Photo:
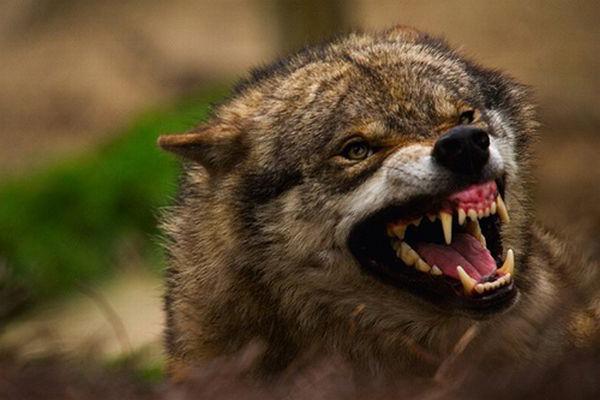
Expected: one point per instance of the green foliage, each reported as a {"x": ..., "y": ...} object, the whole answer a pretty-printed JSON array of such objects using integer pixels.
[{"x": 75, "y": 221}]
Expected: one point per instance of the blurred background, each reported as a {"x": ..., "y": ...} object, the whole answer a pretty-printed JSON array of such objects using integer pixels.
[{"x": 87, "y": 86}]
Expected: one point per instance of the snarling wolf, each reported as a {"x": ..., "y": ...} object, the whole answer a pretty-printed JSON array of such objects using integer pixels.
[{"x": 367, "y": 198}]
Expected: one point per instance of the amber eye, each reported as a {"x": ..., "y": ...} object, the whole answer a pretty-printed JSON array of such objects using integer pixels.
[
  {"x": 357, "y": 150},
  {"x": 466, "y": 117}
]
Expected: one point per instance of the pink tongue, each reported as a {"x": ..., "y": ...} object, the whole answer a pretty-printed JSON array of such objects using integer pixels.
[{"x": 464, "y": 250}]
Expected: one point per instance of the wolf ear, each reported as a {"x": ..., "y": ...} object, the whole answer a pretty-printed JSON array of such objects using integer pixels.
[{"x": 214, "y": 147}]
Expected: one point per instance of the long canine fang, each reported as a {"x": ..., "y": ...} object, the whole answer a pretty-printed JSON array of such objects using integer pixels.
[
  {"x": 502, "y": 212},
  {"x": 467, "y": 282},
  {"x": 509, "y": 263},
  {"x": 446, "y": 219}
]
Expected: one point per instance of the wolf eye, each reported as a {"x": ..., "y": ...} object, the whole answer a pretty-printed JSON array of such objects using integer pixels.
[
  {"x": 466, "y": 117},
  {"x": 357, "y": 150}
]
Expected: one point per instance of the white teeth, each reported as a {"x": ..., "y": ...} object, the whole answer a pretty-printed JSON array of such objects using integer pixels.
[
  {"x": 508, "y": 268},
  {"x": 475, "y": 230},
  {"x": 472, "y": 214},
  {"x": 502, "y": 212},
  {"x": 471, "y": 217},
  {"x": 408, "y": 255},
  {"x": 462, "y": 215},
  {"x": 486, "y": 287},
  {"x": 467, "y": 282},
  {"x": 411, "y": 258},
  {"x": 446, "y": 219},
  {"x": 505, "y": 279},
  {"x": 422, "y": 265}
]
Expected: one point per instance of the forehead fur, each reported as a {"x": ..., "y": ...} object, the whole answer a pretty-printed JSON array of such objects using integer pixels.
[
  {"x": 405, "y": 80},
  {"x": 369, "y": 50}
]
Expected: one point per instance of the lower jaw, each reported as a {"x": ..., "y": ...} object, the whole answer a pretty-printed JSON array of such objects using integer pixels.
[{"x": 447, "y": 296}]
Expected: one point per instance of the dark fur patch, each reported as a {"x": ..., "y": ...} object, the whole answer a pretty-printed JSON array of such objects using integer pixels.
[
  {"x": 264, "y": 186},
  {"x": 257, "y": 189}
]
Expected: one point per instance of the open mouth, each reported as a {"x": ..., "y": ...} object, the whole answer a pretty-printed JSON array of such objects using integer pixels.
[{"x": 447, "y": 250}]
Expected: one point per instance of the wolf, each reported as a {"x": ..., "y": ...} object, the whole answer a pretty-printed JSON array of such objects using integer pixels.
[{"x": 369, "y": 198}]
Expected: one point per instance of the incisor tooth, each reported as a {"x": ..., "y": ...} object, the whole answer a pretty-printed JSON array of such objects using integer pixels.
[
  {"x": 417, "y": 221},
  {"x": 480, "y": 214},
  {"x": 509, "y": 263},
  {"x": 446, "y": 219},
  {"x": 467, "y": 282},
  {"x": 432, "y": 217},
  {"x": 502, "y": 212},
  {"x": 472, "y": 214},
  {"x": 479, "y": 288},
  {"x": 493, "y": 208},
  {"x": 422, "y": 265},
  {"x": 486, "y": 212},
  {"x": 462, "y": 215},
  {"x": 503, "y": 280},
  {"x": 435, "y": 270}
]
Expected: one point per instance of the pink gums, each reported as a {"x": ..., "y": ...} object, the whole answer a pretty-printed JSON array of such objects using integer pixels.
[{"x": 476, "y": 197}]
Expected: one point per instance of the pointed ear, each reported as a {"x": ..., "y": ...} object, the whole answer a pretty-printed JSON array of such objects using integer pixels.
[{"x": 214, "y": 147}]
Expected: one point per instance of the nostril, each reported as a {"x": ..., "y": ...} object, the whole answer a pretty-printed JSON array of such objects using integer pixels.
[
  {"x": 451, "y": 147},
  {"x": 481, "y": 139}
]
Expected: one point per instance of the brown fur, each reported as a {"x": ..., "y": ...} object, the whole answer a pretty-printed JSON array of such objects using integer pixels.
[{"x": 254, "y": 237}]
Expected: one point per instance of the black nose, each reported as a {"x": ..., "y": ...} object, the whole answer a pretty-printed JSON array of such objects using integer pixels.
[{"x": 463, "y": 149}]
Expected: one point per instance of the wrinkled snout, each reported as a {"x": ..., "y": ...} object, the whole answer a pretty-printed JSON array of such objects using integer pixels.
[{"x": 463, "y": 150}]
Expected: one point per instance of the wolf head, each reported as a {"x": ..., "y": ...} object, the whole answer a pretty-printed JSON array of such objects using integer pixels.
[{"x": 355, "y": 197}]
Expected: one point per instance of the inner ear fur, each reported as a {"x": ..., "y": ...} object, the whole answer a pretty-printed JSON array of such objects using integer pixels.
[{"x": 217, "y": 148}]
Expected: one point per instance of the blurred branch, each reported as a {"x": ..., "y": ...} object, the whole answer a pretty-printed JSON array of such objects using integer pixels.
[{"x": 111, "y": 316}]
